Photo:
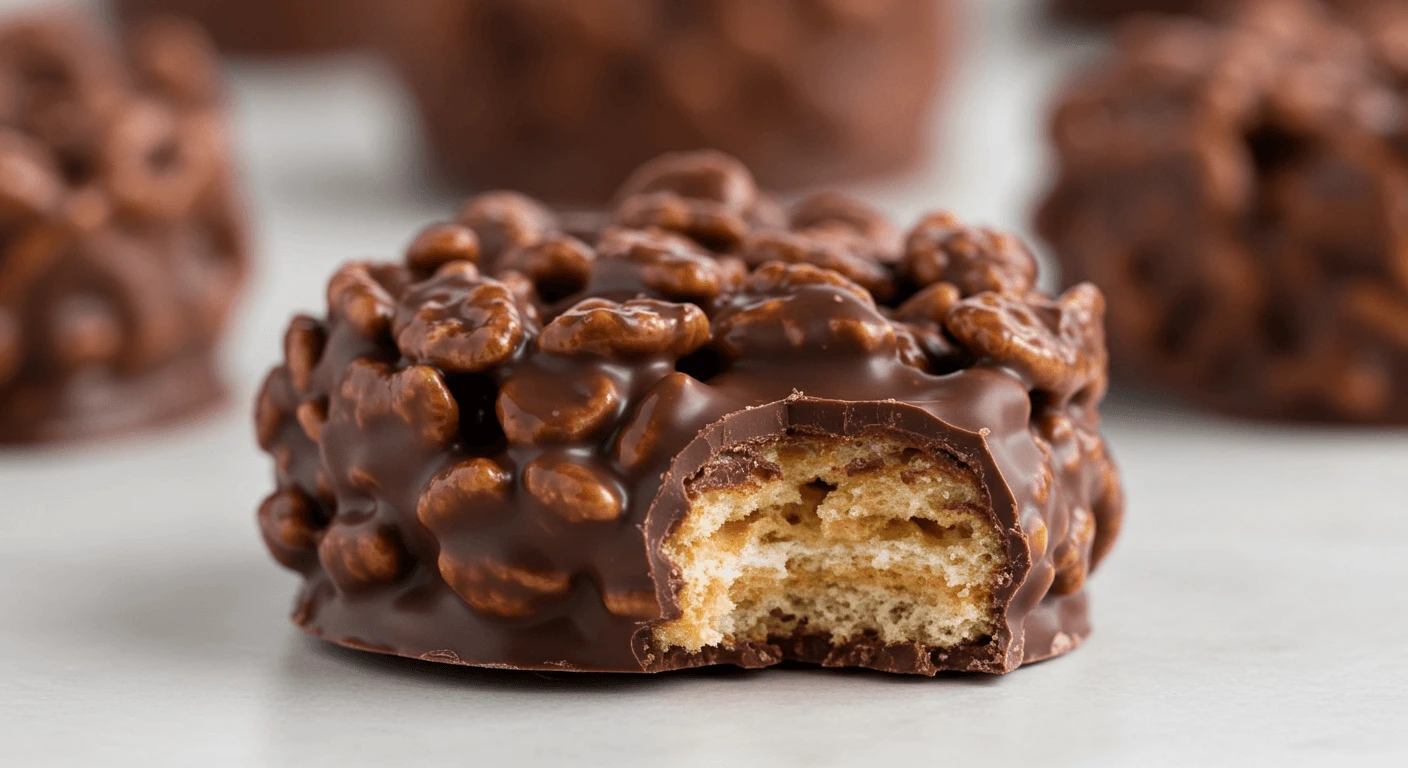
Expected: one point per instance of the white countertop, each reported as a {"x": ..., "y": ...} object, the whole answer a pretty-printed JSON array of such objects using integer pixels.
[{"x": 1250, "y": 615}]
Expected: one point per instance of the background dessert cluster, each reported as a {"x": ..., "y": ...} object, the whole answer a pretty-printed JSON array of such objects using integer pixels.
[
  {"x": 1239, "y": 187},
  {"x": 561, "y": 100},
  {"x": 122, "y": 246}
]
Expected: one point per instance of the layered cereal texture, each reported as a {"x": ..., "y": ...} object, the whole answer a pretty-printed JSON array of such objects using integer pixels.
[
  {"x": 1238, "y": 188},
  {"x": 121, "y": 244},
  {"x": 702, "y": 428},
  {"x": 905, "y": 548}
]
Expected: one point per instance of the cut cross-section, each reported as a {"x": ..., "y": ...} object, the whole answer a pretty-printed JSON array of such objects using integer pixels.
[{"x": 841, "y": 538}]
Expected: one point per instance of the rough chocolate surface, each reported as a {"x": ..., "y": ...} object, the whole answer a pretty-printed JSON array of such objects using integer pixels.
[
  {"x": 1238, "y": 190},
  {"x": 265, "y": 27},
  {"x": 561, "y": 100},
  {"x": 480, "y": 451},
  {"x": 121, "y": 249}
]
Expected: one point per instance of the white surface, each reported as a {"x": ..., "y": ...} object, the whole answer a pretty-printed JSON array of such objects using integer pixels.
[{"x": 1253, "y": 613}]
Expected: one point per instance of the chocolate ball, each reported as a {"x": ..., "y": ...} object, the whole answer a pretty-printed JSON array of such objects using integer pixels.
[{"x": 121, "y": 244}]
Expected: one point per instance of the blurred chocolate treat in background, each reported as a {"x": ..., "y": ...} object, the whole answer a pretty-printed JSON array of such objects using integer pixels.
[
  {"x": 561, "y": 99},
  {"x": 1240, "y": 190},
  {"x": 121, "y": 249},
  {"x": 1385, "y": 24},
  {"x": 713, "y": 431},
  {"x": 1110, "y": 10},
  {"x": 1107, "y": 10},
  {"x": 264, "y": 27}
]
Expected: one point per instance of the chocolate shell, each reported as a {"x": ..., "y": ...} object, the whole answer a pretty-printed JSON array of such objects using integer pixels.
[{"x": 706, "y": 430}]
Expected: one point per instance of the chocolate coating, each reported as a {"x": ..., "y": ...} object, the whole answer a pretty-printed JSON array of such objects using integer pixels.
[
  {"x": 263, "y": 27},
  {"x": 562, "y": 99},
  {"x": 1238, "y": 189},
  {"x": 479, "y": 466},
  {"x": 121, "y": 245}
]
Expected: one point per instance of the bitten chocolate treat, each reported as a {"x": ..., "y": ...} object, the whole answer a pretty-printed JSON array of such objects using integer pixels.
[
  {"x": 708, "y": 431},
  {"x": 563, "y": 99},
  {"x": 120, "y": 245},
  {"x": 1240, "y": 192},
  {"x": 265, "y": 27}
]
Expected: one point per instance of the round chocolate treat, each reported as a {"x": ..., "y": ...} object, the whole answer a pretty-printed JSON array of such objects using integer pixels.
[
  {"x": 707, "y": 431},
  {"x": 263, "y": 27},
  {"x": 562, "y": 99},
  {"x": 1239, "y": 190},
  {"x": 120, "y": 243}
]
